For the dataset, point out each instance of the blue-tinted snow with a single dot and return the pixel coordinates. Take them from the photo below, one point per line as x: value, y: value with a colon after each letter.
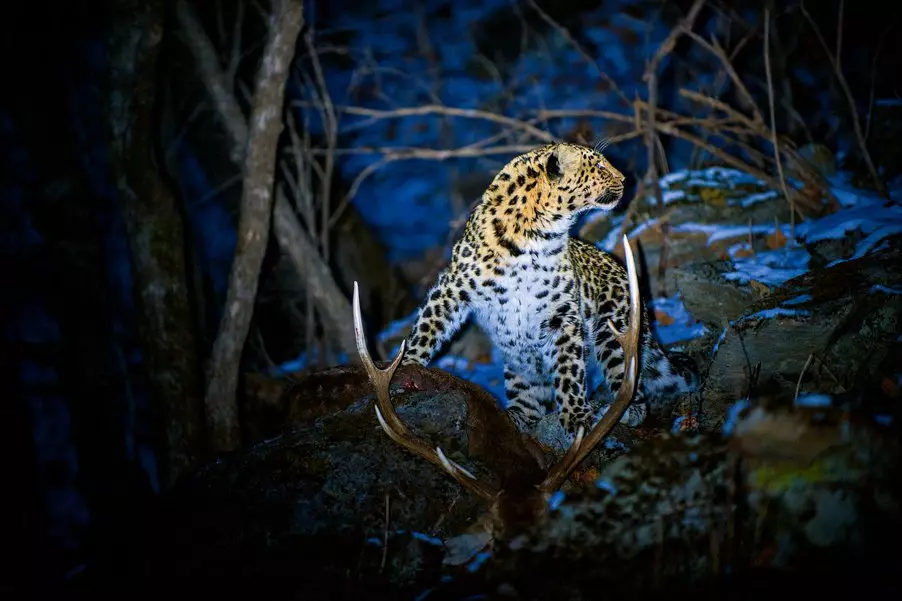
x: 861, y: 210
x: 771, y: 268
x: 432, y: 540
x: 774, y: 312
x: 885, y: 289
x: 674, y: 185
x: 488, y: 375
x: 813, y: 399
x: 799, y: 300
x: 555, y: 500
x: 477, y: 562
x: 684, y: 326
x: 732, y: 416
x: 606, y: 485
x: 716, y: 232
x: 884, y: 420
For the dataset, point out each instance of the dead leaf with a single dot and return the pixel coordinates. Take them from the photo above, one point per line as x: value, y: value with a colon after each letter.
x: 590, y: 476
x: 776, y: 240
x: 663, y: 318
x: 713, y: 196
x: 759, y: 287
x: 462, y: 548
x: 744, y: 253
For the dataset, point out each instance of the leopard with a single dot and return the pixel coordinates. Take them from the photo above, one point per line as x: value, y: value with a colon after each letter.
x: 548, y: 300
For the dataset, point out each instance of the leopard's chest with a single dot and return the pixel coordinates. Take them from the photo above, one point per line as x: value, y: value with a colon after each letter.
x: 514, y: 303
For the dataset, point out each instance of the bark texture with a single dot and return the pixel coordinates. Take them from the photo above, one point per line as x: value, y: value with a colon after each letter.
x: 265, y: 125
x: 155, y: 232
x: 293, y: 240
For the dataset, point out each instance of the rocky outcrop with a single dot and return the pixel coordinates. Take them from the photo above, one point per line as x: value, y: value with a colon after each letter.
x: 828, y: 330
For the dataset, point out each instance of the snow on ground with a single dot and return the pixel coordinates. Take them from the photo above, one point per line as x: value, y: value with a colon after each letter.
x: 683, y: 326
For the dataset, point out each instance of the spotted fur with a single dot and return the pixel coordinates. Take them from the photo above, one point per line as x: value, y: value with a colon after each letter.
x: 543, y: 297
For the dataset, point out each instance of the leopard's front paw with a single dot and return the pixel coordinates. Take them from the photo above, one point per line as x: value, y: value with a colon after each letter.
x: 634, y: 415
x: 524, y: 421
x: 576, y: 417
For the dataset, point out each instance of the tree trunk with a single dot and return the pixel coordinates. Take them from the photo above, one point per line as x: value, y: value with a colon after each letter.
x: 154, y: 227
x: 253, y: 227
x: 319, y: 284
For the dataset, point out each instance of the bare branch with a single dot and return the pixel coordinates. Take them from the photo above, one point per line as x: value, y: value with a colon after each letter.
x: 433, y: 109
x: 212, y: 77
x: 717, y: 50
x: 253, y: 227
x: 434, y: 154
x: 319, y: 286
x: 651, y: 78
x: 567, y: 36
x: 330, y: 125
x: 236, y: 54
x: 773, y: 118
x: 853, y: 110
x: 293, y: 239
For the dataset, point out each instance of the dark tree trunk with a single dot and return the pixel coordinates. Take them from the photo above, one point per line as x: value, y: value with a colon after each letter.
x: 253, y: 227
x: 154, y: 226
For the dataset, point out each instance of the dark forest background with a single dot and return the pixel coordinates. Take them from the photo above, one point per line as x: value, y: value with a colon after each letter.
x: 133, y: 134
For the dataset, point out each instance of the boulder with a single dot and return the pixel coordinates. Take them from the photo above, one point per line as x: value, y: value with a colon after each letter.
x: 829, y: 328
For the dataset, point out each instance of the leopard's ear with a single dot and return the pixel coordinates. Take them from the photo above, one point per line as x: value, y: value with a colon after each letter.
x: 553, y: 168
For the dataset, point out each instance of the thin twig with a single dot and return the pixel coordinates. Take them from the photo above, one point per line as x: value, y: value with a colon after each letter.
x: 725, y: 157
x: 801, y: 376
x: 236, y: 55
x: 856, y: 124
x: 651, y: 78
x: 217, y: 86
x: 330, y: 125
x: 867, y: 122
x: 385, y: 534
x: 576, y: 45
x: 717, y: 50
x: 431, y: 109
x: 839, y: 32
x: 773, y: 121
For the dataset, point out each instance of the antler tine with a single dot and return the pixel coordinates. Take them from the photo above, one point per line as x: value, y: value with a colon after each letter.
x: 629, y: 340
x: 392, y: 424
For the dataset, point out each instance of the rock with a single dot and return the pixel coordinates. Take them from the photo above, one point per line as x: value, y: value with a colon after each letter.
x: 710, y: 296
x: 847, y: 316
x: 318, y: 494
x: 338, y: 496
x: 334, y: 509
x: 809, y: 494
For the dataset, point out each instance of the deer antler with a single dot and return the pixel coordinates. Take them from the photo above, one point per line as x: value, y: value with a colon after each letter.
x: 582, y: 445
x: 629, y: 340
x: 391, y: 423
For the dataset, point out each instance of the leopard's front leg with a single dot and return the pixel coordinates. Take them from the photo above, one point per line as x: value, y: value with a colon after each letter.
x: 441, y: 314
x: 569, y: 366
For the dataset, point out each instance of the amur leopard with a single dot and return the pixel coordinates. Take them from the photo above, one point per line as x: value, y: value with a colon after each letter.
x: 545, y: 298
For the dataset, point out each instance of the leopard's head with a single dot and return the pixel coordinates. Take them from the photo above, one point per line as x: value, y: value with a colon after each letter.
x: 579, y: 178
